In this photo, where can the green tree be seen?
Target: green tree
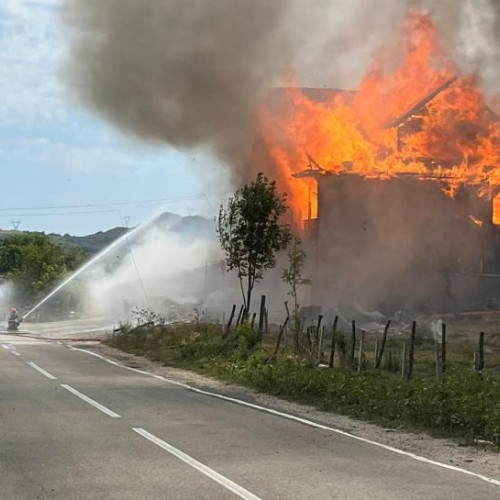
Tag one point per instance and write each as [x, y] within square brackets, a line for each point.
[34, 264]
[250, 232]
[292, 276]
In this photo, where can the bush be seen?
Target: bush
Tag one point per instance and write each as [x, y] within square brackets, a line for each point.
[246, 337]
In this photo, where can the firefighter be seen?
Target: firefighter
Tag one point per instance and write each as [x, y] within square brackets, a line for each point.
[13, 319]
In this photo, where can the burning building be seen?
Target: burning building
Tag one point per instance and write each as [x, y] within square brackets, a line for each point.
[397, 181]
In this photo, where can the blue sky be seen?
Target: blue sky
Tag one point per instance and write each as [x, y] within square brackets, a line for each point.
[54, 154]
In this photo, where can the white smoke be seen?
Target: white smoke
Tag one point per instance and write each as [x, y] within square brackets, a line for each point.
[154, 271]
[6, 295]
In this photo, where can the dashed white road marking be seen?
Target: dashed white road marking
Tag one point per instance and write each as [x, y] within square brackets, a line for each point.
[9, 348]
[90, 401]
[207, 471]
[41, 370]
[294, 418]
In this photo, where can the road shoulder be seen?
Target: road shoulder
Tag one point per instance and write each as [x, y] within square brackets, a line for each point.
[480, 460]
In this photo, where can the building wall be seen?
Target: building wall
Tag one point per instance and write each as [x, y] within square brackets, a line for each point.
[399, 243]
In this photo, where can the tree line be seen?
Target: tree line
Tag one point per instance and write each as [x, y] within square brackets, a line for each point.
[33, 263]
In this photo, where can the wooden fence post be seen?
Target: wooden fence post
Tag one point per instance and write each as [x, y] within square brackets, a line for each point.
[318, 326]
[360, 353]
[231, 316]
[443, 348]
[480, 354]
[403, 361]
[280, 335]
[382, 346]
[332, 351]
[285, 333]
[411, 353]
[376, 352]
[254, 315]
[320, 345]
[240, 315]
[317, 336]
[308, 339]
[438, 360]
[262, 313]
[353, 343]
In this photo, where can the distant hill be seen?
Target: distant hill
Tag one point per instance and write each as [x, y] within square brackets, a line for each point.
[168, 222]
[93, 243]
[187, 226]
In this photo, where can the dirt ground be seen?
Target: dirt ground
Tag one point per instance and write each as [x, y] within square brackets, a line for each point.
[476, 459]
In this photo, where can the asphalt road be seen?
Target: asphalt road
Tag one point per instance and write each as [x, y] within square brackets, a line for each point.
[88, 328]
[73, 426]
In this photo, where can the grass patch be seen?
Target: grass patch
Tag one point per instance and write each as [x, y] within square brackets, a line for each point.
[465, 404]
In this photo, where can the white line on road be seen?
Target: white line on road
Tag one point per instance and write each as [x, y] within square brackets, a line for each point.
[300, 420]
[215, 476]
[90, 401]
[42, 371]
[9, 348]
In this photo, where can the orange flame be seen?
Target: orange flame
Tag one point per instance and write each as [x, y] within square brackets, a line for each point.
[419, 116]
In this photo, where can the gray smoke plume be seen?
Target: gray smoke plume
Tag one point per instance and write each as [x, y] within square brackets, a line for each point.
[342, 42]
[192, 73]
[184, 72]
[471, 32]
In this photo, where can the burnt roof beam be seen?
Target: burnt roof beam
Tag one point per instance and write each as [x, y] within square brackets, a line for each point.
[421, 104]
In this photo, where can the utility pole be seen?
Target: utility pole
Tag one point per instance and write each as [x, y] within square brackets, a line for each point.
[15, 224]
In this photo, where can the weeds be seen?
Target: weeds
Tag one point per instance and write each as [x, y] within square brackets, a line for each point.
[465, 404]
[146, 316]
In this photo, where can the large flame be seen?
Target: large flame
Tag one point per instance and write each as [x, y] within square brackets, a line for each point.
[414, 113]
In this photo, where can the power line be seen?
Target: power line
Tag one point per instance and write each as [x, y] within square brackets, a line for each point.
[47, 214]
[90, 212]
[119, 203]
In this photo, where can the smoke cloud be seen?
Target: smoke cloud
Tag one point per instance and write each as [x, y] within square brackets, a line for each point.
[184, 72]
[171, 267]
[471, 30]
[342, 42]
[164, 264]
[191, 73]
[6, 294]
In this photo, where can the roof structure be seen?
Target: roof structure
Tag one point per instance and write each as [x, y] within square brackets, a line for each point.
[420, 105]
